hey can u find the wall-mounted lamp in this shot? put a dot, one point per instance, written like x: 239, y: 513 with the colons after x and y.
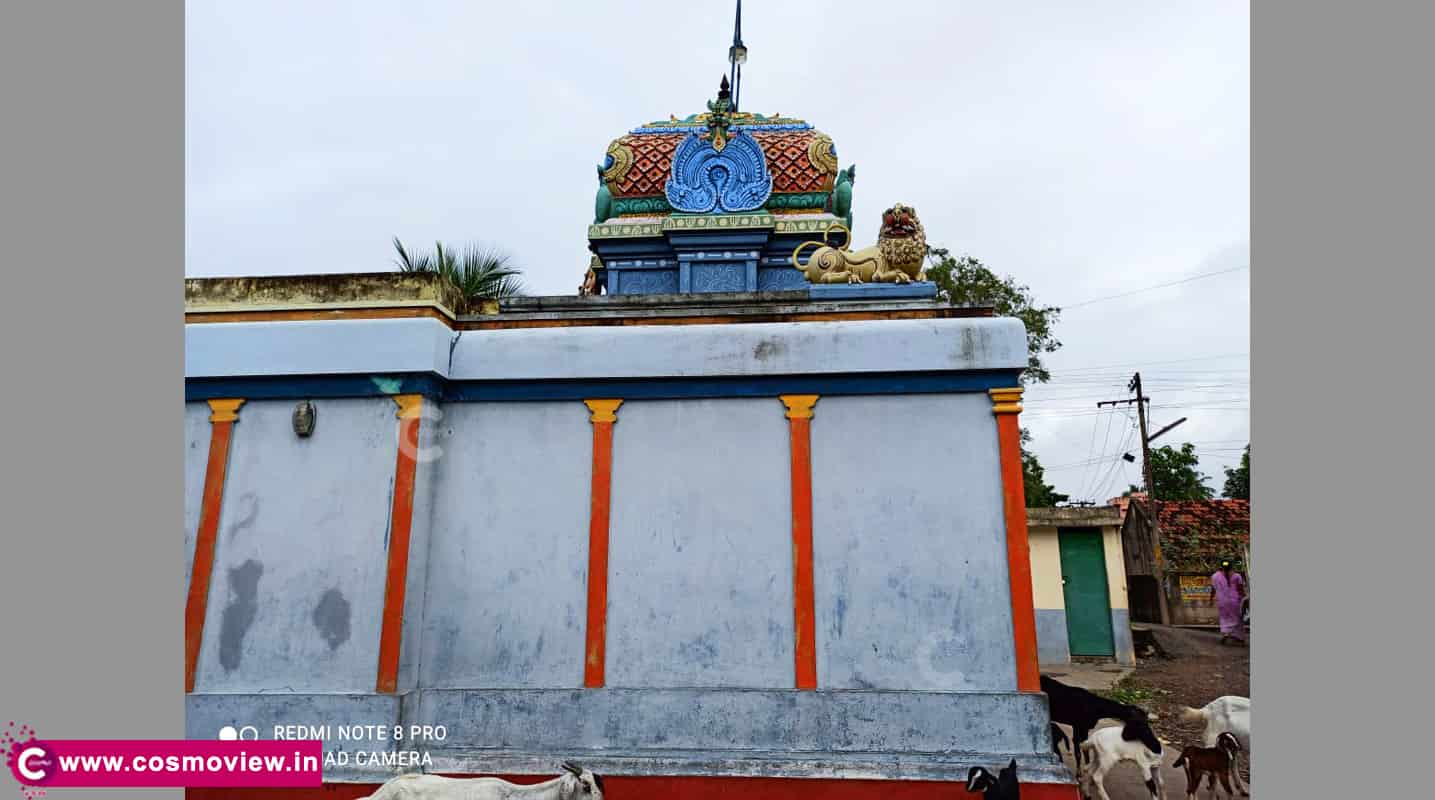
x: 304, y: 414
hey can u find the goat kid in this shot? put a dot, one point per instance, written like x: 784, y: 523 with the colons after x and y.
x: 1082, y: 710
x: 1215, y: 762
x: 576, y: 783
x: 1002, y: 786
x: 1134, y: 742
x: 1230, y: 713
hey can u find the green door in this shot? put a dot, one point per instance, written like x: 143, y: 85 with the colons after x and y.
x: 1083, y: 579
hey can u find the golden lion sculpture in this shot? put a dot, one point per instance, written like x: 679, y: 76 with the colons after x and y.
x: 898, y: 256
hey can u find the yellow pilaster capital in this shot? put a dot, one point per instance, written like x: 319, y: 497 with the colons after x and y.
x: 799, y: 406
x: 410, y: 406
x: 225, y: 409
x: 603, y: 410
x: 1006, y: 401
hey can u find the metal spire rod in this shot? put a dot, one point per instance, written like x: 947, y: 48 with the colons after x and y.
x: 737, y: 56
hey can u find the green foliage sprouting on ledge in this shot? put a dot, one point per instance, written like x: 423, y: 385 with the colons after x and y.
x: 479, y: 273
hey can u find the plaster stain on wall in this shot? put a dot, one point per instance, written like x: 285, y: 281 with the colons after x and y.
x: 239, y: 614
x: 248, y: 505
x: 331, y: 617
x: 702, y: 650
x: 768, y: 348
x: 969, y: 347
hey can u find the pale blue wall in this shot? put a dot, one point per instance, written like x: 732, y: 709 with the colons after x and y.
x: 909, y: 544
x: 196, y: 458
x: 700, y: 555
x: 298, y: 582
x: 700, y: 582
x: 1052, y: 639
x: 507, y: 570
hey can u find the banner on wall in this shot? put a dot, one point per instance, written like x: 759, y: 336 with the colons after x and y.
x: 1195, y: 588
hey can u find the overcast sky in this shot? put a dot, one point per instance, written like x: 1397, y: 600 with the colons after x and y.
x: 1088, y: 149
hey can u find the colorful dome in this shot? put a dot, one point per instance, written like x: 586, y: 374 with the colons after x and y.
x: 801, y: 161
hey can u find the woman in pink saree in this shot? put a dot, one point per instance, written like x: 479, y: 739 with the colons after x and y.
x: 1229, y: 589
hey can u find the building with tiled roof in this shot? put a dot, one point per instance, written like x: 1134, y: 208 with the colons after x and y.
x: 1194, y: 536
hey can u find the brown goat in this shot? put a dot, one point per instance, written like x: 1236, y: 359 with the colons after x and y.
x: 1215, y: 762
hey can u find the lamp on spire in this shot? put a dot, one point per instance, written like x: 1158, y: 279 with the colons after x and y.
x: 737, y: 56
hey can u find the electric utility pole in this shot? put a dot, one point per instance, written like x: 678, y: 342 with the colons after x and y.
x: 1152, y: 514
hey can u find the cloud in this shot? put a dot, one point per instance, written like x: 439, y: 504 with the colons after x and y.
x: 1087, y: 149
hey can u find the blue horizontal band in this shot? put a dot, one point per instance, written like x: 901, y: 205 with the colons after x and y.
x: 435, y: 387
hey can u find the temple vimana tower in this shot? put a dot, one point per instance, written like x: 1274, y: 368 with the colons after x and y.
x: 743, y: 514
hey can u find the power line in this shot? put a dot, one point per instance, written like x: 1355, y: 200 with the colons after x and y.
x: 1167, y: 361
x: 1153, y: 288
x: 1105, y: 440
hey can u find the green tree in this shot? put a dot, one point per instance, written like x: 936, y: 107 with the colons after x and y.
x: 1176, y: 475
x: 965, y: 281
x: 1039, y: 493
x: 479, y: 273
x: 1238, y: 480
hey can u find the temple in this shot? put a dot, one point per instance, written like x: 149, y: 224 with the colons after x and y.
x: 723, y: 201
x: 746, y: 516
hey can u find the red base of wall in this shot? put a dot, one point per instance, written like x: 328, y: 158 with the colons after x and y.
x: 673, y: 788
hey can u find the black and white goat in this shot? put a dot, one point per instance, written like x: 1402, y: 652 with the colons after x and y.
x: 1216, y: 762
x: 1081, y: 710
x: 1002, y: 786
x: 1134, y: 742
x: 576, y: 783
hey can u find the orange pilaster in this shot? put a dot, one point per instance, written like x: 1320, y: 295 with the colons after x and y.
x: 603, y: 413
x: 222, y: 416
x: 804, y: 614
x: 1006, y: 405
x: 401, y: 518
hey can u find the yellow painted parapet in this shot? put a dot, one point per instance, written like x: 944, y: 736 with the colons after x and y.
x: 391, y: 293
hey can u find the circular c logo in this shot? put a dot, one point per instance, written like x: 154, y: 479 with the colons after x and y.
x: 34, y: 764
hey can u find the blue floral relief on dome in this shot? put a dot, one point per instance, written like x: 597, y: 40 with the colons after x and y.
x: 706, y: 179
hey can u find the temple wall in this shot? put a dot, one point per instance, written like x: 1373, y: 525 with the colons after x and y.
x: 910, y: 544
x: 914, y: 632
x: 508, y: 561
x: 298, y: 580
x: 701, y: 574
x: 700, y: 586
x: 196, y: 455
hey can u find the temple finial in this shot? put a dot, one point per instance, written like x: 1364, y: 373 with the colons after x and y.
x: 737, y: 56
